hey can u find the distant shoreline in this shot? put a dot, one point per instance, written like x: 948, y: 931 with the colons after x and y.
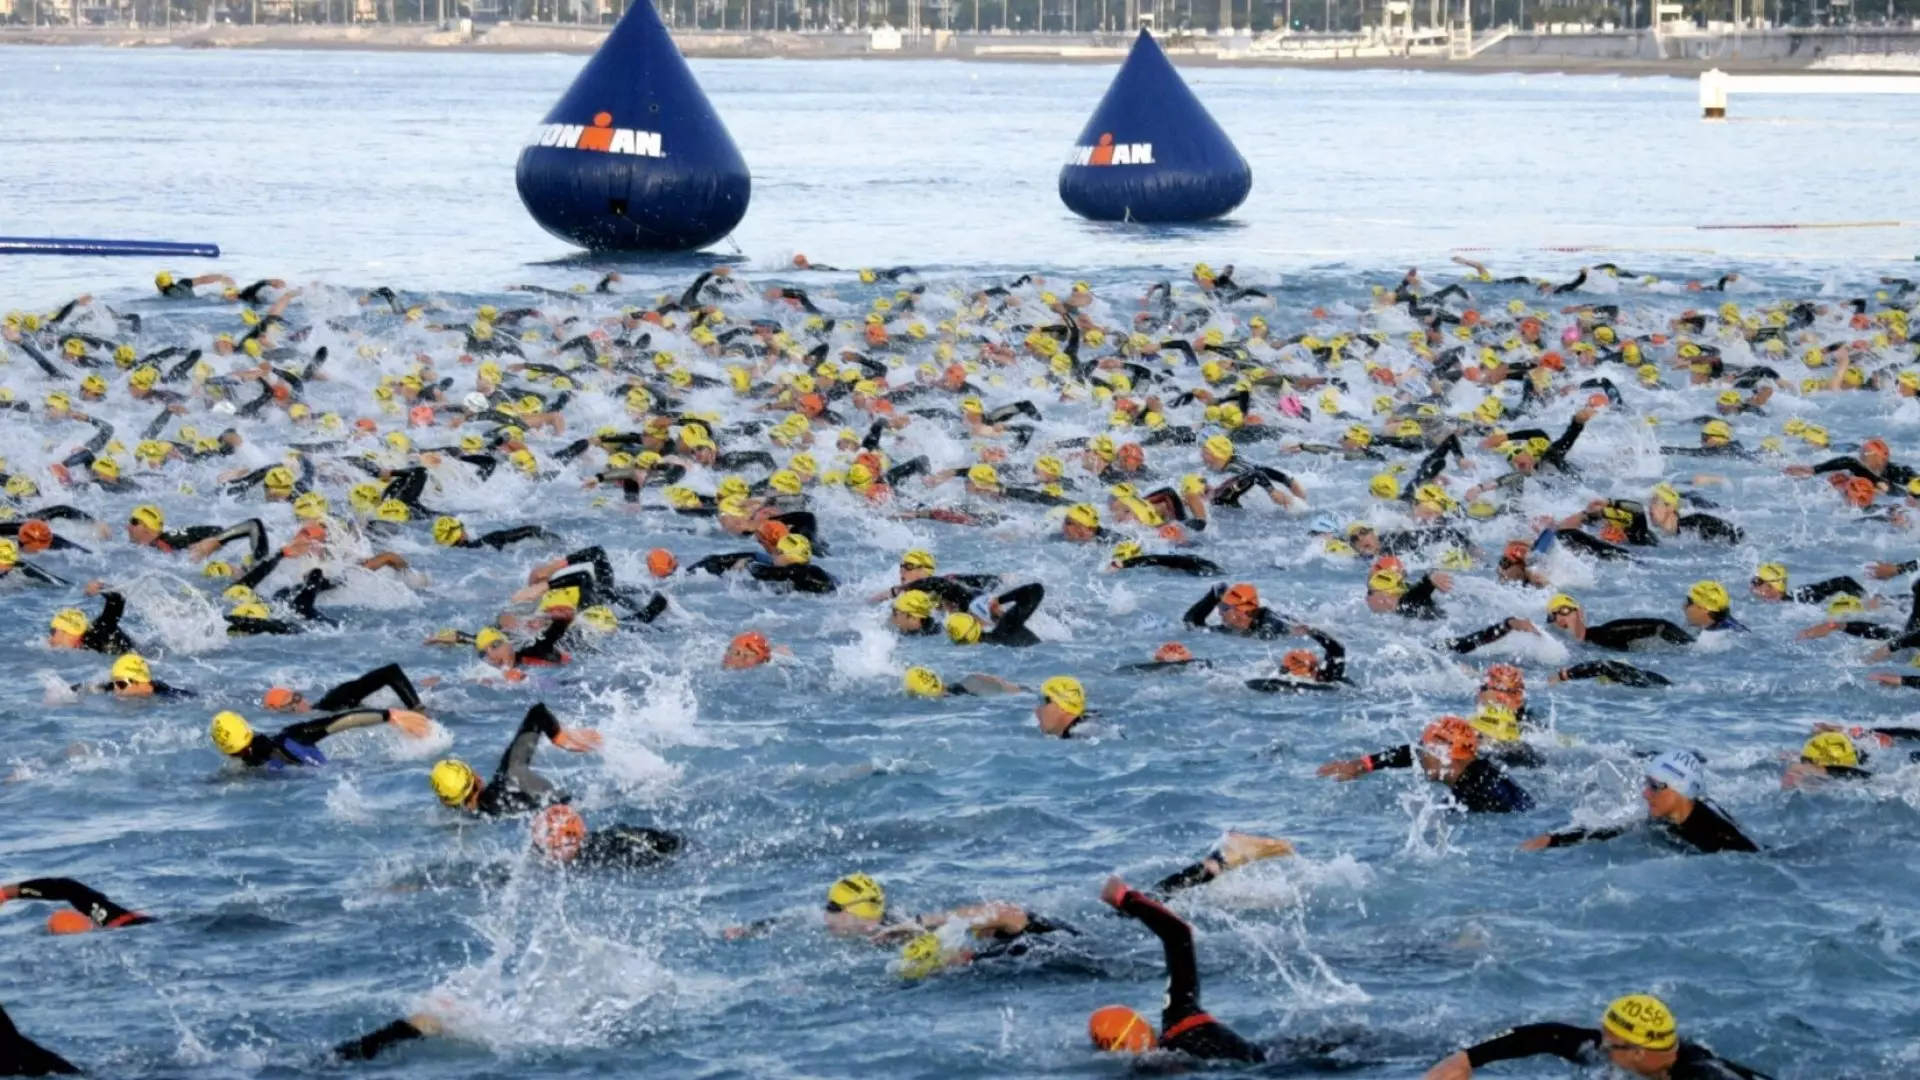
x: 532, y: 38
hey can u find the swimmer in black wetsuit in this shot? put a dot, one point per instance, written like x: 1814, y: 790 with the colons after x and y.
x: 1127, y: 556
x: 1449, y: 752
x: 1184, y: 1026
x: 1240, y: 613
x: 298, y: 744
x: 1637, y: 1036
x: 561, y: 835
x: 1611, y: 671
x: 21, y: 1056
x: 91, y: 909
x: 349, y: 694
x: 369, y: 1046
x: 998, y: 620
x: 452, y: 532
x: 515, y: 787
x: 1674, y: 789
x: 1564, y: 613
x: 1305, y: 671
x: 70, y: 628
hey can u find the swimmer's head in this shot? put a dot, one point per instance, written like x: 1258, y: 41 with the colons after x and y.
x: 559, y: 832
x: 1119, y: 1029
x: 747, y: 650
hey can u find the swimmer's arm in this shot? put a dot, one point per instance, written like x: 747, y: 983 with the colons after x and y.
x: 310, y: 732
x: 1198, y: 614
x: 1576, y: 1044
x: 89, y: 902
x: 366, y: 1047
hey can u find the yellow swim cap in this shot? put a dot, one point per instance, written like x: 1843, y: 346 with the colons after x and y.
x: 453, y: 781
x: 1710, y: 595
x: 1083, y: 515
x: 983, y: 476
x: 857, y: 895
x: 1065, y: 692
x: 310, y: 506
x: 963, y: 629
x: 917, y: 559
x: 1641, y: 1020
x: 1384, y: 486
x: 231, y: 733
x: 1666, y: 493
x: 923, y: 682
x: 1125, y: 550
x: 70, y: 621
x: 1830, y: 748
x: 130, y: 667
x: 1497, y: 722
x: 1772, y: 573
x: 393, y: 511
x: 922, y: 956
x: 1219, y: 446
x: 1562, y: 602
x: 914, y: 603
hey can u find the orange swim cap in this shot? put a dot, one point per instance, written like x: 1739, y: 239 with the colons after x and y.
x: 1505, y: 678
x: 69, y: 921
x: 661, y: 563
x: 559, y: 832
x: 1117, y: 1027
x: 1242, y: 595
x: 420, y: 416
x: 1389, y: 564
x: 1172, y: 652
x: 1300, y: 663
x: 277, y: 698
x: 751, y: 647
x: 35, y: 535
x: 771, y: 532
x: 1462, y: 742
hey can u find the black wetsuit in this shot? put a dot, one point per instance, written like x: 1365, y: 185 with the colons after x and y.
x: 515, y: 787
x: 1482, y: 788
x: 1706, y: 829
x: 1017, y: 605
x: 1186, y: 564
x: 1615, y: 671
x: 630, y: 847
x: 1583, y: 1047
x: 104, y: 912
x: 366, y: 1047
x: 1184, y: 1026
x: 21, y: 1056
x: 1621, y: 635
x: 1328, y: 675
x: 297, y: 744
x: 500, y: 538
x: 103, y: 634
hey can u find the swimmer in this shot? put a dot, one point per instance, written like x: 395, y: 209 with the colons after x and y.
x: 1565, y: 614
x: 1127, y: 555
x: 1306, y: 672
x: 1063, y: 704
x: 1240, y: 612
x: 70, y: 628
x: 1831, y: 754
x: 91, y: 909
x: 349, y: 694
x: 371, y: 1045
x: 998, y: 620
x: 1185, y: 1027
x: 925, y: 682
x: 132, y: 678
x: 21, y: 1056
x: 1674, y: 789
x: 1172, y: 656
x: 298, y: 744
x: 1449, y: 753
x: 1637, y: 1035
x: 561, y: 836
x: 515, y: 788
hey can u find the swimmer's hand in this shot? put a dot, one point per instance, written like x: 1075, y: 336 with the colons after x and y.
x: 1342, y: 770
x: 1538, y: 843
x: 1114, y: 892
x: 444, y: 636
x: 413, y: 724
x: 578, y: 740
x: 1454, y: 1067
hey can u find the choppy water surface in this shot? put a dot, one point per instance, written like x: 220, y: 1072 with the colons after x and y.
x: 299, y: 910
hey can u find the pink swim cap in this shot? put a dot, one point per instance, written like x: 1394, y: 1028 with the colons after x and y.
x: 1290, y: 405
x: 1570, y: 335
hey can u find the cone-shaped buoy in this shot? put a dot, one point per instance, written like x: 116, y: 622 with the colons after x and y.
x: 1151, y: 153
x: 634, y: 158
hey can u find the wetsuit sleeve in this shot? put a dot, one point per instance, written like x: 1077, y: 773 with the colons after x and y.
x: 1019, y: 605
x: 1711, y: 830
x: 1187, y: 564
x: 546, y: 648
x: 1820, y: 591
x: 1576, y: 836
x: 1614, y: 671
x: 24, y: 1057
x: 1399, y: 757
x: 1486, y: 635
x: 354, y: 691
x: 500, y: 538
x: 1556, y: 454
x: 596, y: 557
x: 1333, y: 666
x: 82, y: 899
x: 1197, y: 874
x: 1198, y: 614
x: 310, y: 732
x: 1576, y: 1044
x: 1176, y: 938
x: 1418, y: 603
x: 104, y: 633
x: 720, y: 564
x: 366, y: 1047
x: 252, y: 531
x: 516, y: 765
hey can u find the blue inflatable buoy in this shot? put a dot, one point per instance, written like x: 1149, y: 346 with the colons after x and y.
x: 634, y: 158
x: 1151, y: 153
